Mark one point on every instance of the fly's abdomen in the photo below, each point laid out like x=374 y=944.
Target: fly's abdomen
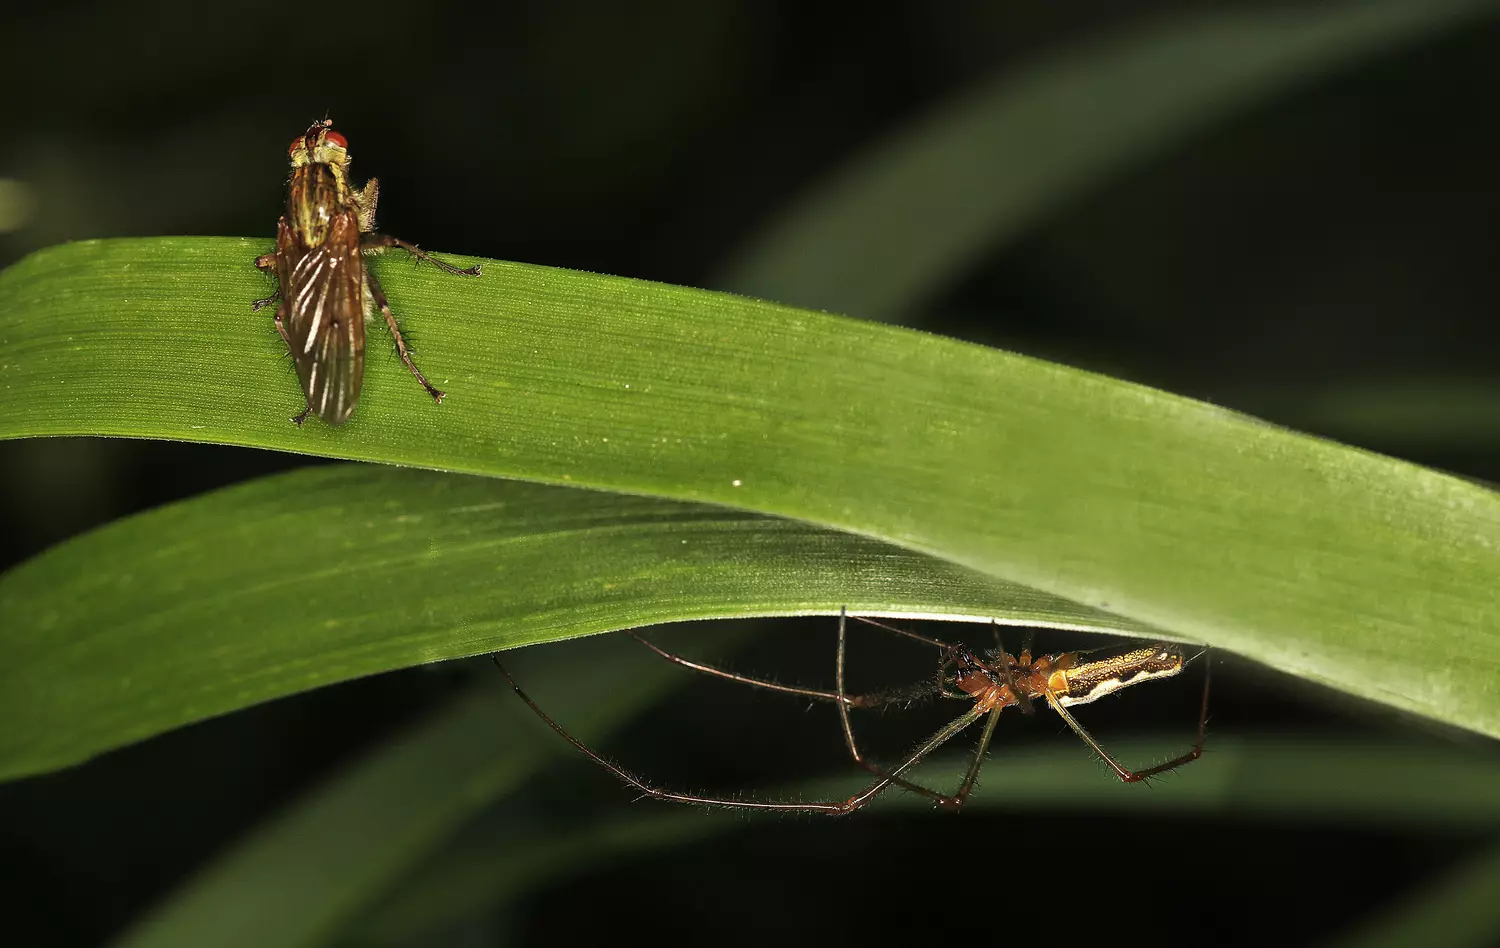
x=332 y=381
x=324 y=299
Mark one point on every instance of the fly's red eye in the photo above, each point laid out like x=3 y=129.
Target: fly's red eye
x=330 y=137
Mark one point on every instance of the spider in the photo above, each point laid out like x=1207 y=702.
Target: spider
x=991 y=682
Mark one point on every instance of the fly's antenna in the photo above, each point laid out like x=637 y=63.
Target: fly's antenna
x=317 y=128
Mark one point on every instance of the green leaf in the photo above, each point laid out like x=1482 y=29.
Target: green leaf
x=292 y=582
x=1358 y=571
x=910 y=215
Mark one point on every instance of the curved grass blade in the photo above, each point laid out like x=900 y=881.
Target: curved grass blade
x=1354 y=570
x=326 y=574
x=907 y=217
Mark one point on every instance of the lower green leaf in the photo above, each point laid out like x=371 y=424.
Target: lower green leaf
x=322 y=575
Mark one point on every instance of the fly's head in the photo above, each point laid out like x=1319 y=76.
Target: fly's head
x=320 y=144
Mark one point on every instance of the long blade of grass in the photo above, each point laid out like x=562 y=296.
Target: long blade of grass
x=907 y=217
x=1331 y=563
x=292 y=582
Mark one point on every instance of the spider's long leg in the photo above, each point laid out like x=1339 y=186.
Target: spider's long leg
x=854 y=701
x=830 y=808
x=893 y=776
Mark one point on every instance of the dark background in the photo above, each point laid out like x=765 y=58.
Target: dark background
x=1324 y=259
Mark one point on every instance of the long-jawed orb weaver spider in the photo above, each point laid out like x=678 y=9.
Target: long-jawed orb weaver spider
x=992 y=682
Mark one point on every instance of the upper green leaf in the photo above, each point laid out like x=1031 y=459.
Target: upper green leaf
x=1361 y=571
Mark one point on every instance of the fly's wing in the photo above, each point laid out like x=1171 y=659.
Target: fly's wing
x=323 y=292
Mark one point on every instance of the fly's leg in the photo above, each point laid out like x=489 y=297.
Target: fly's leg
x=301 y=416
x=266 y=263
x=378 y=295
x=374 y=243
x=280 y=323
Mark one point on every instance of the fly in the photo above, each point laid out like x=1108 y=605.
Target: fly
x=324 y=291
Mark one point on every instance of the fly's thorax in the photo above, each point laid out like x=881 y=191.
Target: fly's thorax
x=1096 y=674
x=316 y=194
